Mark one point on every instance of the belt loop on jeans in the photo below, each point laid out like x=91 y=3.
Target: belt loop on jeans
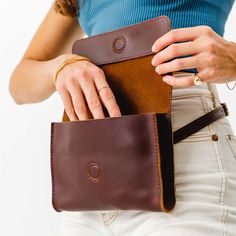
x=215 y=95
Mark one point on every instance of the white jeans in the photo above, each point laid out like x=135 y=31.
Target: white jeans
x=205 y=177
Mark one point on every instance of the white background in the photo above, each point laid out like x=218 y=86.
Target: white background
x=25 y=181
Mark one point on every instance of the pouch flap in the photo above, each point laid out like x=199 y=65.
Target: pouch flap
x=125 y=43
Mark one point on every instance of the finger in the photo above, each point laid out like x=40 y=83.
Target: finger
x=179 y=81
x=68 y=105
x=177 y=35
x=179 y=64
x=176 y=50
x=208 y=75
x=92 y=99
x=78 y=102
x=107 y=97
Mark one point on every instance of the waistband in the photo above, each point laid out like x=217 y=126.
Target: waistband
x=204 y=89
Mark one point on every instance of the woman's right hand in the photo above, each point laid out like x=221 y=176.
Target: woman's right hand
x=78 y=83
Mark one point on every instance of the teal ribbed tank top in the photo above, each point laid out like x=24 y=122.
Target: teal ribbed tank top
x=99 y=16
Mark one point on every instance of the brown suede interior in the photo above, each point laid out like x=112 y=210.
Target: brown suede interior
x=137 y=87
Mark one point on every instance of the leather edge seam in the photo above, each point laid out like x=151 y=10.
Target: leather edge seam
x=124 y=29
x=158 y=170
x=53 y=167
x=159 y=18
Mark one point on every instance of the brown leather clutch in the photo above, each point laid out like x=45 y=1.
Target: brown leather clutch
x=122 y=162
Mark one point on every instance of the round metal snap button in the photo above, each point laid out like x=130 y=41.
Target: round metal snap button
x=119 y=44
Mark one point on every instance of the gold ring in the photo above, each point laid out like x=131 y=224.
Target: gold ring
x=197 y=80
x=103 y=88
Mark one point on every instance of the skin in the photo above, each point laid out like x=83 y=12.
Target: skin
x=212 y=55
x=32 y=80
x=78 y=83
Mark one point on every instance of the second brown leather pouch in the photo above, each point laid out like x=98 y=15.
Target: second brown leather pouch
x=122 y=162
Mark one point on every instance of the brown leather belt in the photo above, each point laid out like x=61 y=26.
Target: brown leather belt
x=200 y=122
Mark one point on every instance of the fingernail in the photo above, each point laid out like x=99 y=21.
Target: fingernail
x=165 y=79
x=153 y=62
x=158 y=70
x=153 y=48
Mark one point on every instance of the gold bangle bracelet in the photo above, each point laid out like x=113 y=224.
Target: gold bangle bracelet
x=69 y=61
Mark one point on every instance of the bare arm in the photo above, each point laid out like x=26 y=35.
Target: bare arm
x=32 y=79
x=77 y=83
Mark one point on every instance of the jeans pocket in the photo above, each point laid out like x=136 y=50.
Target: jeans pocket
x=231 y=139
x=199 y=136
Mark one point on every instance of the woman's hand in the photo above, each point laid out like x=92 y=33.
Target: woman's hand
x=213 y=56
x=78 y=83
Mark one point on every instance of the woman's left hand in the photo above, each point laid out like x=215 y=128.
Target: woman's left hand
x=212 y=55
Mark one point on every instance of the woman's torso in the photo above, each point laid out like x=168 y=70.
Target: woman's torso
x=99 y=16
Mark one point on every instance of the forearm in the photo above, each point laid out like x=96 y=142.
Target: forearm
x=32 y=81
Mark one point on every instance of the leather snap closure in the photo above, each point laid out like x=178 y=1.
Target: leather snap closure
x=119 y=44
x=214 y=137
x=94 y=172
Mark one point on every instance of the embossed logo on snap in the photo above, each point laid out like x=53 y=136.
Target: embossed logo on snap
x=119 y=44
x=94 y=172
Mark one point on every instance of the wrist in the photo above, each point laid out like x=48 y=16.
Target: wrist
x=233 y=56
x=66 y=62
x=53 y=66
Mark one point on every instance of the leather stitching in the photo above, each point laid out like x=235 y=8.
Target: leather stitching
x=53 y=167
x=122 y=38
x=124 y=58
x=91 y=178
x=124 y=30
x=160 y=18
x=157 y=160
